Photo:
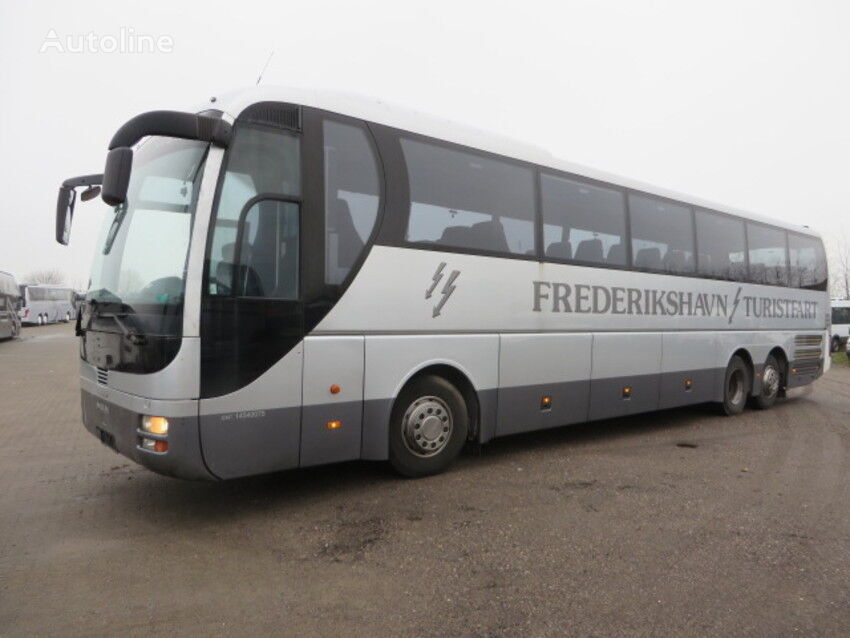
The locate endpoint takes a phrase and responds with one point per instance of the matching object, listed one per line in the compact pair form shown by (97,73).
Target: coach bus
(10,295)
(291,278)
(42,304)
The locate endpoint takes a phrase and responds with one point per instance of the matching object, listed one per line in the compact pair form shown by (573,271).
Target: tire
(835,345)
(40,320)
(427,410)
(67,317)
(771,384)
(736,387)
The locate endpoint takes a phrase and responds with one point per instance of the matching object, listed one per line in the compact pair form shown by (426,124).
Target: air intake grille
(277,114)
(102,376)
(808,347)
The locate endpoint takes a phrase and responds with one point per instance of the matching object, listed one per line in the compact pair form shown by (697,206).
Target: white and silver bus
(42,304)
(10,296)
(291,278)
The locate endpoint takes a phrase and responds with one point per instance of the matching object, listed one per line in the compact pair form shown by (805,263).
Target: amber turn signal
(333,425)
(335,389)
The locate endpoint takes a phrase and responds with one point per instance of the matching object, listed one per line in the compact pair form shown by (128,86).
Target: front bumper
(115,419)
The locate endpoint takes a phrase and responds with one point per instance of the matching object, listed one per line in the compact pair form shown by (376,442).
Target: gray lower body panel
(117,426)
(254,442)
(251,442)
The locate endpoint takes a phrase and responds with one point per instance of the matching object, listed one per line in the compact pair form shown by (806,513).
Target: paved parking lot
(677,523)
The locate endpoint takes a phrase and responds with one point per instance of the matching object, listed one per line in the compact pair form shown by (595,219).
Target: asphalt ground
(671,524)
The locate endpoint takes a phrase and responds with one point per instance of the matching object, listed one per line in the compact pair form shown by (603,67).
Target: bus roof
(414,121)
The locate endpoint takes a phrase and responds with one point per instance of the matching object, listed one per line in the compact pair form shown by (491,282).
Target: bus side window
(808,262)
(582,221)
(469,201)
(768,255)
(352,192)
(721,243)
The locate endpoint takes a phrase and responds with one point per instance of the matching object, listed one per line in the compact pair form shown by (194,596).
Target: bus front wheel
(736,387)
(428,427)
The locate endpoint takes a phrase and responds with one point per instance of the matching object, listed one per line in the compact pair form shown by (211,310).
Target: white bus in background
(291,278)
(840,324)
(10,325)
(42,304)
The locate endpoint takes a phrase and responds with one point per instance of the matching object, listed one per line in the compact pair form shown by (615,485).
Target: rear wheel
(836,344)
(736,387)
(67,316)
(428,427)
(771,384)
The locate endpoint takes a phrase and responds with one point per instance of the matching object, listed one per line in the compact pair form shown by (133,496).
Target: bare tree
(838,250)
(51,276)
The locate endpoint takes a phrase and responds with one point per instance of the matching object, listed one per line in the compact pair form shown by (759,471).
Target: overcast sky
(744,103)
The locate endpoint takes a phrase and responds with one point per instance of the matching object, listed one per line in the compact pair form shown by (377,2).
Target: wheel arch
(747,358)
(458,377)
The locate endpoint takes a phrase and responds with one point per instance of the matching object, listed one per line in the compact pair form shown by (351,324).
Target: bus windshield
(140,264)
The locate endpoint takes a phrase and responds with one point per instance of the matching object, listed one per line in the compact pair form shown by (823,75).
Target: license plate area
(107,438)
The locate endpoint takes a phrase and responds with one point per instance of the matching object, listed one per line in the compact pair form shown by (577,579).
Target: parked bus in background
(42,304)
(840,324)
(298,278)
(10,295)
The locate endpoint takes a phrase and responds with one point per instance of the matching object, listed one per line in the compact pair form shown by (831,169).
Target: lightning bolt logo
(435,279)
(735,304)
(448,288)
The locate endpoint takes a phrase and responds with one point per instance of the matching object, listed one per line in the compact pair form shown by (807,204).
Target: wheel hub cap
(770,381)
(427,426)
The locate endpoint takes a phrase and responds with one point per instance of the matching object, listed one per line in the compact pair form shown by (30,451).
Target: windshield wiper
(132,334)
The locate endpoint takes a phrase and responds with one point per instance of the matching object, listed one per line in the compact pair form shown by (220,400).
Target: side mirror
(116,175)
(66,200)
(65,213)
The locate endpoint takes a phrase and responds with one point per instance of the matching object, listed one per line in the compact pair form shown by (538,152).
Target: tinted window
(466,200)
(268,253)
(258,161)
(808,262)
(351,197)
(840,315)
(662,235)
(721,246)
(37,294)
(768,255)
(582,221)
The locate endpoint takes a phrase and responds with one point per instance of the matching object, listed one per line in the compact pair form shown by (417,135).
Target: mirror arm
(83,180)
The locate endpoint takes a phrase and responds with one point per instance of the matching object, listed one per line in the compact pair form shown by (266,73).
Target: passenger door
(251,341)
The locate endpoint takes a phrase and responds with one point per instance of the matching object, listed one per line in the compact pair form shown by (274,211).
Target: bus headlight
(155,424)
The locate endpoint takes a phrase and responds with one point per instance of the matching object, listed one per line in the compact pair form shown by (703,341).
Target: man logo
(447,291)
